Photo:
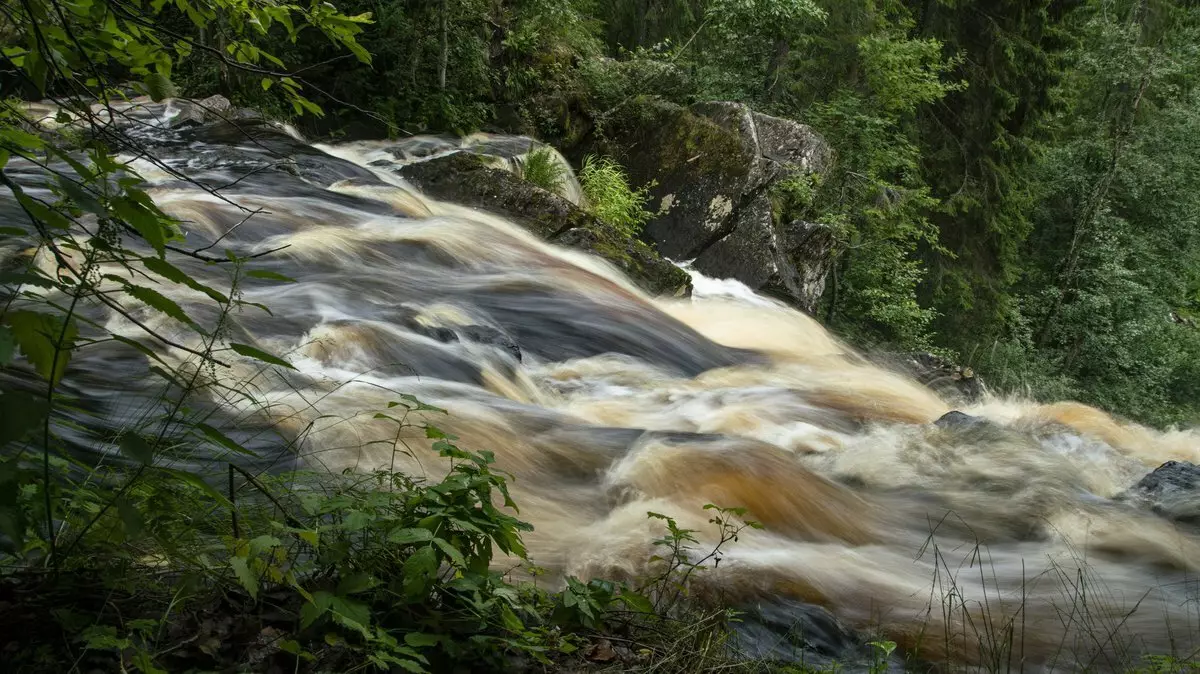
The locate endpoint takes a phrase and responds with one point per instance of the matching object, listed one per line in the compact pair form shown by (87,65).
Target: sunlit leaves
(159,86)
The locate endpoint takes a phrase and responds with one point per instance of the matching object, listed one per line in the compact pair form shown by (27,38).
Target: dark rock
(789,261)
(944,377)
(1171,490)
(959,420)
(468,179)
(713,167)
(478,334)
(784,630)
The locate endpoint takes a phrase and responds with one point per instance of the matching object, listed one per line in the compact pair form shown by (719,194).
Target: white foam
(705,288)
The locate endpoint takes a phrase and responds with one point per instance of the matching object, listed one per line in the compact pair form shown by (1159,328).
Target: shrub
(543,168)
(609,196)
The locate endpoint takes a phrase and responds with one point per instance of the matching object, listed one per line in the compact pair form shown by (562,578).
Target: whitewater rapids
(977,545)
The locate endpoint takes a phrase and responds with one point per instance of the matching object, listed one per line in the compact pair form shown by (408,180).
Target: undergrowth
(610,197)
(542,168)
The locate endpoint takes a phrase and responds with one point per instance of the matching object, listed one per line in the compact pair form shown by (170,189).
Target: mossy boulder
(470,180)
(714,168)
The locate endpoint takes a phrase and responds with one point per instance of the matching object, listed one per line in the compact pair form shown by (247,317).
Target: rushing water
(603,403)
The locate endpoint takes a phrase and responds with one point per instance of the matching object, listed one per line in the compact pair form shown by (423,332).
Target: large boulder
(714,168)
(502,151)
(472,180)
(1171,490)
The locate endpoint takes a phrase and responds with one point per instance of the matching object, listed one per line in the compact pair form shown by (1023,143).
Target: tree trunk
(775,67)
(1081,230)
(643,15)
(445,58)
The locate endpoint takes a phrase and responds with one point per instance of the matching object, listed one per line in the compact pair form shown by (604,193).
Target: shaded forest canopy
(1015,180)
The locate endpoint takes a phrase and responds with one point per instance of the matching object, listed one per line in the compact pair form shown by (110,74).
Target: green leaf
(435,433)
(223,440)
(456,557)
(156,300)
(20,412)
(422,640)
(270,275)
(352,614)
(510,620)
(418,569)
(8,345)
(636,601)
(258,354)
(409,666)
(309,612)
(159,87)
(353,584)
(266,83)
(36,335)
(152,226)
(405,536)
(198,482)
(172,273)
(12,514)
(135,447)
(80,195)
(261,544)
(130,517)
(413,403)
(245,576)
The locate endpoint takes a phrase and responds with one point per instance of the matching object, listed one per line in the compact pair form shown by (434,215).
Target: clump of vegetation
(609,196)
(542,168)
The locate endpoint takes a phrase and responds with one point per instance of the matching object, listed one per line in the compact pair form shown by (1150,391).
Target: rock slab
(468,179)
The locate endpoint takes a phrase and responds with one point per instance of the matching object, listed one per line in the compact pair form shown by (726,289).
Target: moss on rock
(469,180)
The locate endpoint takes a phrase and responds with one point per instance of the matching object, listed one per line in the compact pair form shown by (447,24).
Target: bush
(542,168)
(609,196)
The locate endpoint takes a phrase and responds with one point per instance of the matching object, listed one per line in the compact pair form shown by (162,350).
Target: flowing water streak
(605,404)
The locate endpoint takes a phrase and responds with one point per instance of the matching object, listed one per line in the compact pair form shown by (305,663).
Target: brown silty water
(604,404)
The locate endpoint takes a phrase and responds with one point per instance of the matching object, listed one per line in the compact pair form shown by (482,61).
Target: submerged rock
(959,420)
(477,334)
(714,169)
(468,179)
(1171,490)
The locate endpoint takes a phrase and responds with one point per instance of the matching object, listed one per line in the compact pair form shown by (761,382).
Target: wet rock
(790,262)
(478,334)
(183,112)
(785,630)
(468,179)
(944,377)
(1171,490)
(714,169)
(959,420)
(507,152)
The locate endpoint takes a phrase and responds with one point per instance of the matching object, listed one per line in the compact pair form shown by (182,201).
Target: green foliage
(880,652)
(543,168)
(609,196)
(673,567)
(1165,664)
